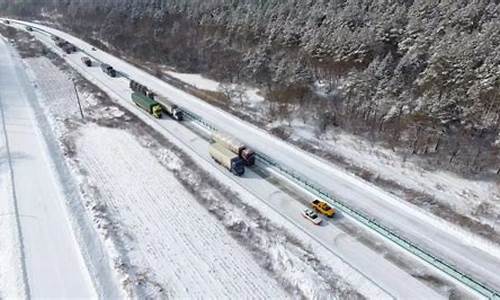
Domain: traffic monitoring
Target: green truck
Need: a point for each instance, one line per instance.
(148, 104)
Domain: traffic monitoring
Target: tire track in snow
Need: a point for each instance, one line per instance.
(16, 207)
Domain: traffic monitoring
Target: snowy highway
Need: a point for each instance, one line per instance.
(473, 256)
(330, 237)
(52, 264)
(351, 256)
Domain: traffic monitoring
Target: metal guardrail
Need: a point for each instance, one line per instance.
(384, 231)
(406, 244)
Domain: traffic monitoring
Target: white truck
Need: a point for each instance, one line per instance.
(236, 146)
(226, 158)
(171, 109)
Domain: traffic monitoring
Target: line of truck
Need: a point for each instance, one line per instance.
(167, 106)
(225, 149)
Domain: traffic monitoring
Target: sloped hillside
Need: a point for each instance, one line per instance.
(422, 76)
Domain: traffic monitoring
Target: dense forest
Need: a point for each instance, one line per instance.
(421, 76)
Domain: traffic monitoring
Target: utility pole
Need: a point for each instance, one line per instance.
(78, 100)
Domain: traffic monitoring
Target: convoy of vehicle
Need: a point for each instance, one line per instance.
(323, 208)
(107, 69)
(227, 159)
(147, 104)
(236, 146)
(225, 149)
(87, 61)
(311, 216)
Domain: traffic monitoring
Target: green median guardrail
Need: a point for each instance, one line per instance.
(384, 231)
(406, 244)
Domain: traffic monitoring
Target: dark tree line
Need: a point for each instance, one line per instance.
(422, 75)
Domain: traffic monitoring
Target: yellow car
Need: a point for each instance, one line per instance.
(323, 208)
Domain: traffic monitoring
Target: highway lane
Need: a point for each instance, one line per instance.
(362, 258)
(472, 254)
(52, 261)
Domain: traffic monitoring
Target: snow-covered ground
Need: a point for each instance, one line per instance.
(170, 236)
(196, 80)
(337, 242)
(465, 196)
(474, 255)
(12, 283)
(46, 243)
(138, 221)
(349, 188)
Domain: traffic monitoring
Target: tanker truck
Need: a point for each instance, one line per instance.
(227, 159)
(236, 146)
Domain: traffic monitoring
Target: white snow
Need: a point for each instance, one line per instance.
(463, 195)
(56, 102)
(249, 96)
(48, 244)
(163, 223)
(196, 80)
(11, 275)
(263, 190)
(472, 255)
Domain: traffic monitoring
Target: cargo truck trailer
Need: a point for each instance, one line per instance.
(227, 159)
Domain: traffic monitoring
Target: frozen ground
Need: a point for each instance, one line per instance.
(479, 200)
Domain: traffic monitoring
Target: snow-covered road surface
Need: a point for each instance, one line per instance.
(53, 263)
(474, 256)
(397, 282)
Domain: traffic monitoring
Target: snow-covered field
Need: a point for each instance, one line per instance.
(169, 236)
